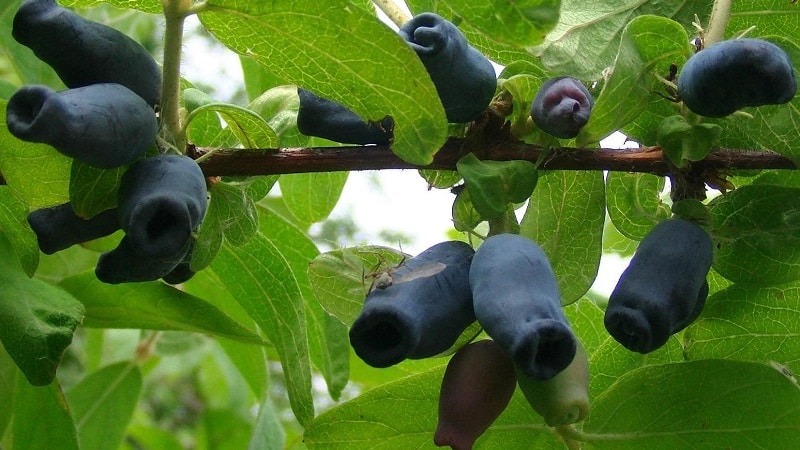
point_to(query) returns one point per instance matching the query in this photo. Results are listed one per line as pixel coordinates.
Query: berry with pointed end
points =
(476, 388)
(327, 119)
(83, 52)
(103, 125)
(419, 309)
(465, 79)
(58, 227)
(731, 75)
(161, 202)
(517, 301)
(562, 107)
(664, 287)
(563, 399)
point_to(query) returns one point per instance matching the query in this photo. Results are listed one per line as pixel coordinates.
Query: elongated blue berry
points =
(58, 227)
(327, 119)
(517, 301)
(83, 52)
(419, 310)
(464, 78)
(103, 125)
(664, 287)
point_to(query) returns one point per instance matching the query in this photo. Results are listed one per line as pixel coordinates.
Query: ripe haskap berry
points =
(333, 121)
(161, 202)
(420, 311)
(563, 399)
(476, 388)
(517, 301)
(103, 125)
(125, 265)
(465, 79)
(83, 52)
(58, 227)
(562, 107)
(731, 75)
(664, 288)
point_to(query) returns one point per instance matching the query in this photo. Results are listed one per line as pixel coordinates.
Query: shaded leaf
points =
(153, 306)
(93, 190)
(312, 196)
(14, 225)
(42, 418)
(634, 203)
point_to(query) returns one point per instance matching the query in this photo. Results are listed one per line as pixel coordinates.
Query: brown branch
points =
(237, 162)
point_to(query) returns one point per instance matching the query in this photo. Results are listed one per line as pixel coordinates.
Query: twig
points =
(392, 11)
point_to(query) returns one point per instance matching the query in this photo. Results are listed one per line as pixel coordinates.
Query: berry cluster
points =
(106, 119)
(420, 308)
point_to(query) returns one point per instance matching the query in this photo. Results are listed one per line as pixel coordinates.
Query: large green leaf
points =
(36, 173)
(746, 323)
(14, 224)
(103, 403)
(327, 335)
(342, 53)
(150, 6)
(341, 278)
(8, 385)
(757, 234)
(42, 418)
(648, 44)
(155, 306)
(587, 37)
(262, 281)
(39, 319)
(312, 196)
(93, 190)
(565, 216)
(698, 404)
(634, 203)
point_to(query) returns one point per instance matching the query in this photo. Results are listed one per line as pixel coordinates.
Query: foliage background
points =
(253, 350)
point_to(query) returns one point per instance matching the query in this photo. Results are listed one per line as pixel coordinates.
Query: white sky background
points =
(401, 201)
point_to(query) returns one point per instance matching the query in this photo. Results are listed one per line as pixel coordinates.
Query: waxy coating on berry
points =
(58, 227)
(421, 311)
(464, 78)
(517, 302)
(83, 52)
(331, 120)
(103, 125)
(734, 74)
(562, 107)
(664, 287)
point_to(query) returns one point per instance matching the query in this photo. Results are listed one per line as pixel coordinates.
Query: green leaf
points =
(152, 306)
(523, 89)
(39, 320)
(279, 107)
(36, 173)
(14, 225)
(440, 179)
(257, 80)
(748, 323)
(721, 404)
(565, 216)
(341, 278)
(150, 6)
(252, 131)
(312, 196)
(493, 185)
(465, 216)
(261, 280)
(332, 50)
(519, 23)
(8, 385)
(586, 39)
(103, 403)
(268, 433)
(683, 142)
(93, 190)
(42, 418)
(24, 65)
(757, 234)
(634, 203)
(649, 44)
(327, 335)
